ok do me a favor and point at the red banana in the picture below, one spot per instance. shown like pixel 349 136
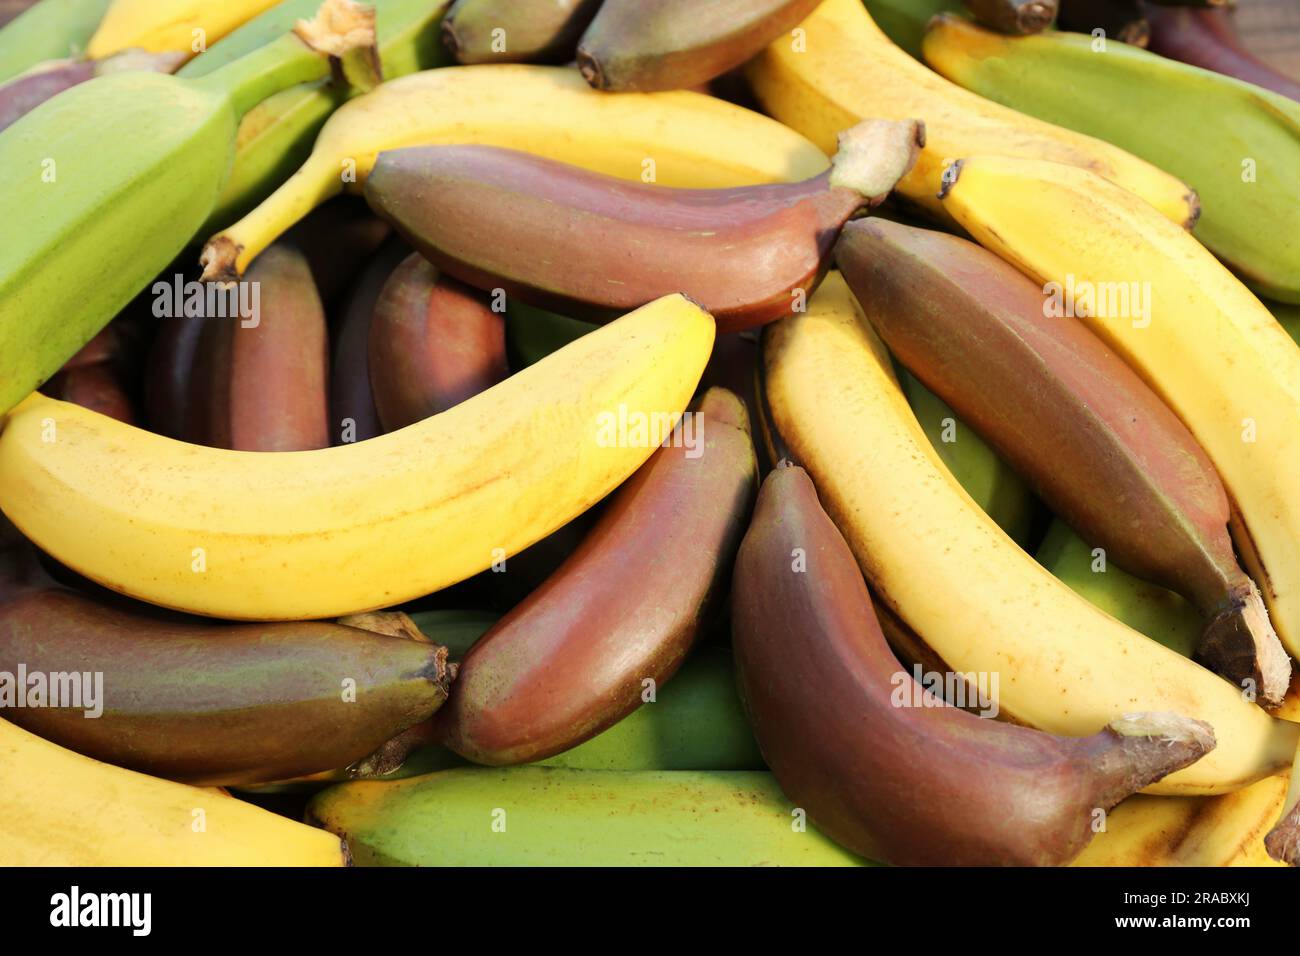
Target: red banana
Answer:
pixel 592 246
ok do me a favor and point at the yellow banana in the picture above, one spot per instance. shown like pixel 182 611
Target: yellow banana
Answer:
pixel 1227 830
pixel 978 601
pixel 58 808
pixel 674 139
pixel 1185 324
pixel 162 26
pixel 287 536
pixel 839 68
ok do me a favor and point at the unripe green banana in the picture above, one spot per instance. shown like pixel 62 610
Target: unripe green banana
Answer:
pixel 110 180
pixel 541 816
pixel 1160 614
pixel 51 30
pixel 533 333
pixel 1236 144
pixel 988 479
pixel 903 21
pixel 1288 316
pixel 516 31
pixel 277 135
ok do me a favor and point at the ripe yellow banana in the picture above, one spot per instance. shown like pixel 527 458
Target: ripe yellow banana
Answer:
pixel 978 601
pixel 58 808
pixel 160 26
pixel 673 139
pixel 1227 830
pixel 294 535
pixel 1198 337
pixel 839 68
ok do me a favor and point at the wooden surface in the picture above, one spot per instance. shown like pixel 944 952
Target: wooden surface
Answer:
pixel 1271 29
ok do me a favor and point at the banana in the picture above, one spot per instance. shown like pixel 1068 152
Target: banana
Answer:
pixel 1094 441
pixel 342 530
pixel 1200 339
pixel 999 491
pixel 1189 831
pixel 980 603
pixel 433 344
pixel 97 387
pixel 903 21
pixel 166 25
pixel 1017 17
pixel 1236 144
pixel 679 44
pixel 1288 316
pixel 179 698
pixel 678 139
pixel 929 784
pixel 841 69
pixel 533 333
pixel 516 31
pixel 620 615
pixel 353 416
pixel 1122 20
pixel 23 94
pixel 276 136
pixel 58 808
pixel 1206 38
pixel 99 221
pixel 51 30
pixel 497 218
pixel 695 722
pixel 338 240
pixel 541 816
pixel 1283 841
pixel 1160 614
pixel 167 382
pixel 262 383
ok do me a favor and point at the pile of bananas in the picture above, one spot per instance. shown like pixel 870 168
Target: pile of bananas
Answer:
pixel 513 432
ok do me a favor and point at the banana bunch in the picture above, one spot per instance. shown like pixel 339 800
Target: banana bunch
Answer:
pixel 499 428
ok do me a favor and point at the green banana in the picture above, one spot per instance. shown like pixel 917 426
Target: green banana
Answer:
pixel 542 816
pixel 277 136
pixel 51 30
pixel 903 21
pixel 1236 144
pixel 110 180
pixel 1288 316
pixel 997 489
pixel 533 333
pixel 1156 612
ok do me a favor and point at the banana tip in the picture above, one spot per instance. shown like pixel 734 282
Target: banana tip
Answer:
pixel 1283 842
pixel 589 66
pixel 950 177
pixel 220 260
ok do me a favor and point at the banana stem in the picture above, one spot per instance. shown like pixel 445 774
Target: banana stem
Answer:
pixel 1136 750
